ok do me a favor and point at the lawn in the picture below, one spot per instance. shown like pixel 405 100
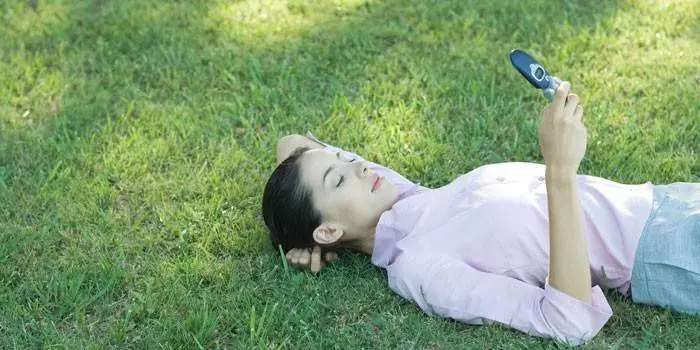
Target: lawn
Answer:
pixel 136 138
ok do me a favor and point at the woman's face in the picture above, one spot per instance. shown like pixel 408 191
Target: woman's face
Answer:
pixel 347 194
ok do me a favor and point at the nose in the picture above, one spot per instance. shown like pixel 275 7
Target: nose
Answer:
pixel 362 169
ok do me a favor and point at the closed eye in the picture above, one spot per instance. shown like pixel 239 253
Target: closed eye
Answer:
pixel 337 155
pixel 342 178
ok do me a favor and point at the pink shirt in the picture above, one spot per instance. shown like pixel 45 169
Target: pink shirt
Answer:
pixel 477 249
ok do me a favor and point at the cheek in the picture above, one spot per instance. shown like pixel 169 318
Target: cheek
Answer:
pixel 354 206
pixel 340 206
pixel 359 208
pixel 369 207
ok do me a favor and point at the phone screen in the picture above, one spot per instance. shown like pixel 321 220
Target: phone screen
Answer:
pixel 539 73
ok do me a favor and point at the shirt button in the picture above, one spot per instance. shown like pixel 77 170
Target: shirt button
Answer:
pixel 541 178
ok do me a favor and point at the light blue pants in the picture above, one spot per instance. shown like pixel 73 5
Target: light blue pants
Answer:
pixel 666 268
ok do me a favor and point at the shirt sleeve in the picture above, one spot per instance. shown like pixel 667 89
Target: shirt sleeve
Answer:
pixel 404 185
pixel 453 289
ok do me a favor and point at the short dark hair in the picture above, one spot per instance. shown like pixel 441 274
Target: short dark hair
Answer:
pixel 287 206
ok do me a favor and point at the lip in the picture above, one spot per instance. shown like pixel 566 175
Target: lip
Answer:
pixel 377 183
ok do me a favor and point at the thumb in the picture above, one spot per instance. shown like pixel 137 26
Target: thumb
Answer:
pixel 316 261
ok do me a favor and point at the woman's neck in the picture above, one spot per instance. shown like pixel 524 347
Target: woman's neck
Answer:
pixel 365 244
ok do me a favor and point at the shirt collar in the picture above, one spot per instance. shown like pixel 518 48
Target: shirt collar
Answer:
pixel 388 232
pixel 385 238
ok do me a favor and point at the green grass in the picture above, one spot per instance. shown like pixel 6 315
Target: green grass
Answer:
pixel 136 138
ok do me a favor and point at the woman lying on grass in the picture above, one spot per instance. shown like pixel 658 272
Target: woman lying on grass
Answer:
pixel 485 248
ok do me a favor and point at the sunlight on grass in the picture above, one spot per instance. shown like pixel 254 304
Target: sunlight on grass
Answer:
pixel 635 78
pixel 30 22
pixel 31 90
pixel 269 21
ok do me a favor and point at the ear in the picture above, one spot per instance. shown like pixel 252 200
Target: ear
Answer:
pixel 327 234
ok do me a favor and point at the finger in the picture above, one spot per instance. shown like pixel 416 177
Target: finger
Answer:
pixel 304 258
pixel 331 256
pixel 570 105
pixel 560 96
pixel 316 263
pixel 290 255
pixel 295 257
pixel 578 114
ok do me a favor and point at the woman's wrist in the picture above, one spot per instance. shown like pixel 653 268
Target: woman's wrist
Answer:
pixel 561 176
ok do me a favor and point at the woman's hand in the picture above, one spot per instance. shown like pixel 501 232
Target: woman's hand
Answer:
pixel 305 258
pixel 563 136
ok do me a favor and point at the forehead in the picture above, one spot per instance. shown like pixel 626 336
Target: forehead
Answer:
pixel 314 163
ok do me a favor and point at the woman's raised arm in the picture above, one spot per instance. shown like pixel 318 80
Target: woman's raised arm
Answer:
pixel 563 143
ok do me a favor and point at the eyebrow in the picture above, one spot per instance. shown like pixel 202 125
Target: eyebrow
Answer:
pixel 323 182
